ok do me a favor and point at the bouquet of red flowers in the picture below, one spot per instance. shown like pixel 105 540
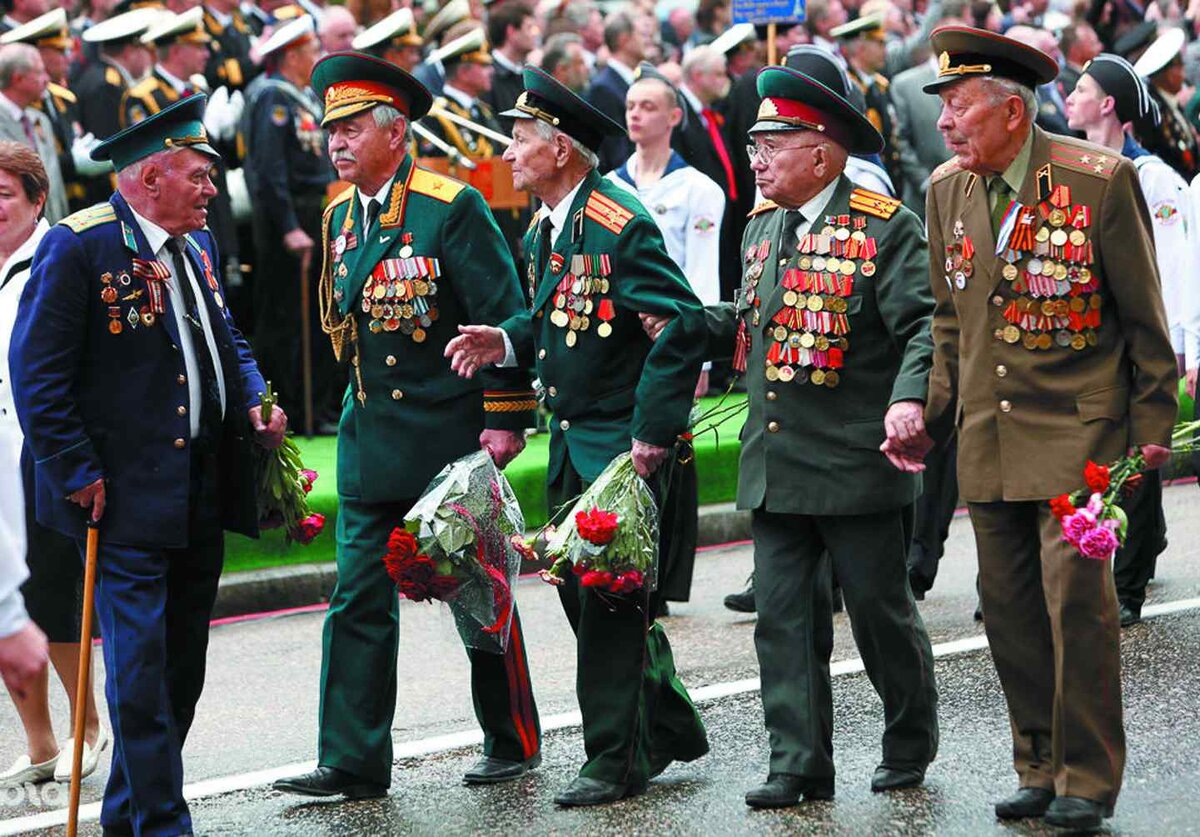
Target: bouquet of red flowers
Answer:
pixel 462 544
pixel 610 537
pixel 283 486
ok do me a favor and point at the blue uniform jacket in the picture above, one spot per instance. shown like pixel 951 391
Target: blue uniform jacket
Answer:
pixel 100 400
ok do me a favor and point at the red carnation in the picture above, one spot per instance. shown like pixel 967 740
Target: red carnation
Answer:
pixel 595 578
pixel 306 530
pixel 627 582
pixel 1096 477
pixel 1061 506
pixel 597 526
pixel 441 586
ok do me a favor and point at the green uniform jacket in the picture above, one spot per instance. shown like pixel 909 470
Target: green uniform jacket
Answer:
pixel 604 391
pixel 814 449
pixel 434 251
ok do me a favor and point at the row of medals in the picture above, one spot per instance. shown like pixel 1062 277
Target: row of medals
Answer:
pixel 390 308
pixel 573 306
pixel 109 295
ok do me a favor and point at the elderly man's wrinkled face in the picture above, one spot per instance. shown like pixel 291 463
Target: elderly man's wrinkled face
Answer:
pixel 790 167
pixel 364 153
pixel 977 127
pixel 535 161
pixel 182 184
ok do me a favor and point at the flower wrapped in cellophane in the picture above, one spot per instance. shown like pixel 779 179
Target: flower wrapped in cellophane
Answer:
pixel 284 484
pixel 462 544
pixel 609 539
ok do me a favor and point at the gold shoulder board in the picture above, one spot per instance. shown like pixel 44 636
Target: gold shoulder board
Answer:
pixel 60 92
pixel 434 185
pixel 111 76
pixel 93 216
pixel 873 203
pixel 607 213
pixel 765 206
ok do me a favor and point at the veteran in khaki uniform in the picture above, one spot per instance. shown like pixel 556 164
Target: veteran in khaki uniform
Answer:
pixel 595 248
pixel 409 255
pixel 833 336
pixel 1050 354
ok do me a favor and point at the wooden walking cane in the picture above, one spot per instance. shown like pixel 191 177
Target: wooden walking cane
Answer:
pixel 83 685
pixel 306 341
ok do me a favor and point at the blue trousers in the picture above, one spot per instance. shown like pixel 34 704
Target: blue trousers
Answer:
pixel 154 605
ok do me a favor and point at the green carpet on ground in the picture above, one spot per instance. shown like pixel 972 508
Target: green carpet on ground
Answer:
pixel 716 461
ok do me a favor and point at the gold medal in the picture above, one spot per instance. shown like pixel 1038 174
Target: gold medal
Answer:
pixel 1095 301
pixel 822 343
pixel 1029 340
pixel 1042 235
pixel 559 318
pixel 815 303
pixel 115 326
pixel 1060 272
pixel 780 333
pixel 421 287
pixel 571 339
pixel 1058 238
pixel 1047 308
pixel 772 374
pixel 418 335
pixel 1078 304
pixel 848 267
pixel 1077 238
pixel 1048 268
pixel 1044 341
pixel 805 262
pixel 832 379
pixel 1078 342
pixel 1092 340
pixel 1010 271
pixel 817 376
pixel 604 329
pixel 833 264
pixel 1057 219
pixel 786 373
pixel 807 340
pixel 789 298
pixel 376 312
pixel 1011 334
pixel 859 236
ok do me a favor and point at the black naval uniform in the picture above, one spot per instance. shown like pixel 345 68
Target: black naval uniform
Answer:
pixel 230 63
pixel 99 92
pixel 1173 141
pixel 62 107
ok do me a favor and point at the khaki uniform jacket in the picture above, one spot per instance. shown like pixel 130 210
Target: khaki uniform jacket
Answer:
pixel 1030 418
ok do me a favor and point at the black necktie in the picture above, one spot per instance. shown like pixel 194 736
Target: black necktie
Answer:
pixel 372 214
pixel 788 241
pixel 210 393
pixel 545 243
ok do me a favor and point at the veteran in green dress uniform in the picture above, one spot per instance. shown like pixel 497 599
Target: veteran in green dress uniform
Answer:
pixel 832 330
pixel 595 261
pixel 409 255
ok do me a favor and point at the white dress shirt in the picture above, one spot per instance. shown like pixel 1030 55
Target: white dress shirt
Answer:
pixel 157 238
pixel 381 197
pixel 811 211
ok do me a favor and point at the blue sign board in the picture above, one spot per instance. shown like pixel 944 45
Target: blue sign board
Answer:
pixel 768 11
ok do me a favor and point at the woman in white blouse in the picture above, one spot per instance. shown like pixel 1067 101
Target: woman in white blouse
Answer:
pixel 51 582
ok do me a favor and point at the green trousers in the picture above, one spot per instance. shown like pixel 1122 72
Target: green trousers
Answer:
pixel 794 635
pixel 635 709
pixel 358 664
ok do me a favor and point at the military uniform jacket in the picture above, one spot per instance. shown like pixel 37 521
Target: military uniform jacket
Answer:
pixel 148 97
pixel 433 260
pixel 100 90
pixel 468 143
pixel 604 380
pixel 1174 140
pixel 1036 381
pixel 101 389
pixel 832 335
pixel 61 105
pixel 230 64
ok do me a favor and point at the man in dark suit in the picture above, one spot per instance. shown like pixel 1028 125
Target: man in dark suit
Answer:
pixel 137 396
pixel 512 33
pixel 627 48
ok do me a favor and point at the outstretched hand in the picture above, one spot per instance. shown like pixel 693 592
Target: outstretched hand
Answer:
pixel 475 346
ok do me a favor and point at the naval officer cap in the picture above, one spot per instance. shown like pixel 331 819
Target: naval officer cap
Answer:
pixel 350 83
pixel 548 100
pixel 397 30
pixel 48 30
pixel 1160 54
pixel 287 36
pixel 185 28
pixel 965 52
pixel 867 26
pixel 793 101
pixel 180 125
pixel 1116 77
pixel 123 28
pixel 470 48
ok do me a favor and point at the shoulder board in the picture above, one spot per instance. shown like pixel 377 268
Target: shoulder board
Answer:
pixel 533 222
pixel 882 82
pixel 1084 159
pixel 144 87
pixel 93 216
pixel 607 213
pixel 113 77
pixel 873 203
pixel 434 185
pixel 765 206
pixel 60 92
pixel 339 199
pixel 946 169
pixel 213 25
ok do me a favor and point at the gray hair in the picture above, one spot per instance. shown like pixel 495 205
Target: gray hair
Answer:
pixel 15 58
pixel 703 57
pixel 549 132
pixel 385 115
pixel 554 51
pixel 999 89
pixel 133 172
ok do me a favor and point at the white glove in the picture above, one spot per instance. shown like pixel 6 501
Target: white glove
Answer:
pixel 81 155
pixel 217 119
pixel 237 104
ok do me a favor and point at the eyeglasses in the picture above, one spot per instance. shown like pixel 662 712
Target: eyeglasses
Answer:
pixel 767 153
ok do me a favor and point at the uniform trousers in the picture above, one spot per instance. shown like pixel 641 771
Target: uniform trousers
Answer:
pixel 154 607
pixel 636 711
pixel 1135 562
pixel 358 661
pixel 1053 627
pixel 794 635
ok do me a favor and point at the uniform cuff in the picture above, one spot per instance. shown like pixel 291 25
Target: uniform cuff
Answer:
pixel 510 356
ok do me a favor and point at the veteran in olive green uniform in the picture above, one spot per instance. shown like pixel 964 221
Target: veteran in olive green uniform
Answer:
pixel 595 260
pixel 832 333
pixel 1051 349
pixel 409 255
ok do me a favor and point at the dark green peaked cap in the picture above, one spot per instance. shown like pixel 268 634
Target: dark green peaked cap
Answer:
pixel 352 82
pixel 548 100
pixel 180 125
pixel 793 101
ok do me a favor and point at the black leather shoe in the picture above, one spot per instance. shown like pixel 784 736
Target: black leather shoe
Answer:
pixel 1027 802
pixel 329 781
pixel 742 602
pixel 116 830
pixel 1130 616
pixel 584 791
pixel 490 771
pixel 893 778
pixel 782 790
pixel 1076 813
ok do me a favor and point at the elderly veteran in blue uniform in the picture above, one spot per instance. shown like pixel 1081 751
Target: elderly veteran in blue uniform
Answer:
pixel 139 400
pixel 611 390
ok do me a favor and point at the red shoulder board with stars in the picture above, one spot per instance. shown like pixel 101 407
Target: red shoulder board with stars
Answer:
pixel 1098 163
pixel 765 206
pixel 873 203
pixel 607 213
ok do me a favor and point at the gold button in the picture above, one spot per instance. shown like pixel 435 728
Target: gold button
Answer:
pixel 181 380
pixel 390 360
pixel 180 443
pixel 538 315
pixel 397 395
pixel 182 410
pixel 997 300
pixel 1006 406
pixel 998 334
pixel 564 425
pixel 553 391
pixel 541 354
pixel 773 426
pixel 1001 371
pixel 772 395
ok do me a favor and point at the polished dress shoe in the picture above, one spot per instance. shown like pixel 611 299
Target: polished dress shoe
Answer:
pixel 893 778
pixel 782 790
pixel 1130 615
pixel 490 771
pixel 742 602
pixel 1076 813
pixel 584 791
pixel 329 781
pixel 1027 802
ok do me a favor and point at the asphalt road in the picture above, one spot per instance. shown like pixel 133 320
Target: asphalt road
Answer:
pixel 258 716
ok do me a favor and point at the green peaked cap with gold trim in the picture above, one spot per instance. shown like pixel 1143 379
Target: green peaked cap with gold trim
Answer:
pixel 180 125
pixel 548 100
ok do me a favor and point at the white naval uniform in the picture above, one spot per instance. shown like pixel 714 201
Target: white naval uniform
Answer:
pixel 1171 216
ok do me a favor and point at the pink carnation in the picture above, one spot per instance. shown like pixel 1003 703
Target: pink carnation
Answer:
pixel 307 478
pixel 1100 543
pixel 1075 526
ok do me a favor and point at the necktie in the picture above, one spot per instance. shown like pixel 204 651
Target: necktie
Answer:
pixel 210 393
pixel 28 126
pixel 372 213
pixel 545 243
pixel 999 193
pixel 712 121
pixel 788 241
